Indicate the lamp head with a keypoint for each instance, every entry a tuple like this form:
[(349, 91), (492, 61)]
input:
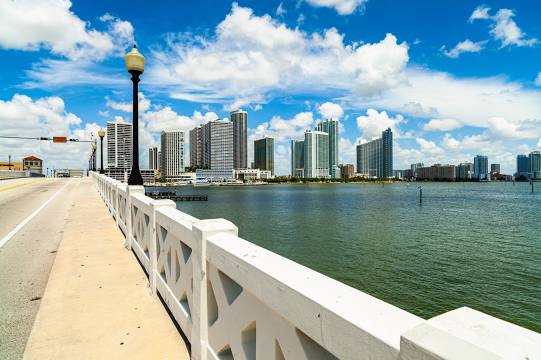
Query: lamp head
[(135, 61), (101, 133)]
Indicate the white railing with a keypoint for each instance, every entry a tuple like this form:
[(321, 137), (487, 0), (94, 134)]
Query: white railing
[(235, 300)]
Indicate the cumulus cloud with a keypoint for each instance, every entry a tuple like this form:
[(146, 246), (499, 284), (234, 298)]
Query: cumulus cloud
[(251, 58), (342, 7), (331, 110), (47, 116), (466, 46), (144, 104), (503, 28), (373, 123), (442, 125), (49, 24), (538, 79)]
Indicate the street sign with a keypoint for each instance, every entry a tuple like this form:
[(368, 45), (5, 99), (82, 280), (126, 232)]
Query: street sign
[(59, 139)]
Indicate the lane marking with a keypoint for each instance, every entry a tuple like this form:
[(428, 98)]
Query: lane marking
[(16, 186), (8, 237)]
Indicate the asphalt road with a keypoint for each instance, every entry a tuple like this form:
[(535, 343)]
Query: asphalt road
[(27, 256)]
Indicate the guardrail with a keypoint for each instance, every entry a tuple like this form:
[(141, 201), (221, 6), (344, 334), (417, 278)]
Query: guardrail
[(235, 300)]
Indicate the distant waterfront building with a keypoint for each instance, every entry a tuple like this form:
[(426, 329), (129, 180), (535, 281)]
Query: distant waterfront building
[(10, 165), (375, 158), (33, 164), (401, 174), (316, 154), (347, 171), (119, 145), (297, 158), (437, 172), (217, 138), (535, 165), (464, 171), (148, 175), (264, 154), (252, 174), (196, 147), (172, 154), (331, 127), (239, 119), (494, 169), (153, 158), (480, 167), (414, 168), (523, 166)]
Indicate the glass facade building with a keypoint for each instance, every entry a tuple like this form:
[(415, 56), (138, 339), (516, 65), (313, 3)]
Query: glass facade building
[(375, 158), (297, 158), (316, 154), (196, 147), (480, 167), (239, 119), (331, 127), (264, 154), (535, 165)]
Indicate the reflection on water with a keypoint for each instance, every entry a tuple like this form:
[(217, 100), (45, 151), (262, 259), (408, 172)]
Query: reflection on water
[(471, 244)]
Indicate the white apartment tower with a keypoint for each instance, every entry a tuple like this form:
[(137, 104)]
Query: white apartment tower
[(119, 145), (172, 153)]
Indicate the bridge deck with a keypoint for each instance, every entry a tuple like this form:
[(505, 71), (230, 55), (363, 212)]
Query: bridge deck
[(97, 303)]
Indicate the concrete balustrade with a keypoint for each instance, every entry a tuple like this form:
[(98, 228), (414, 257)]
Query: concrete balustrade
[(235, 300)]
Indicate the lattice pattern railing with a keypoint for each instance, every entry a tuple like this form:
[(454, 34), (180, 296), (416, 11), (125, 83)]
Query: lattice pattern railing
[(235, 300)]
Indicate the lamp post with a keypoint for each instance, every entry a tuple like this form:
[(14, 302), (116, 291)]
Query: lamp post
[(93, 156), (135, 64), (101, 134)]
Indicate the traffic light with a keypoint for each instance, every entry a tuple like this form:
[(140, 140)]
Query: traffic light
[(45, 138), (59, 139), (75, 140)]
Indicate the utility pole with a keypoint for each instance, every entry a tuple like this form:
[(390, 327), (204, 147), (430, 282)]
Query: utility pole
[(9, 162), (420, 195)]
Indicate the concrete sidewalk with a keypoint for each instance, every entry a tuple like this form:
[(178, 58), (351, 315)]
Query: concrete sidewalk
[(97, 304)]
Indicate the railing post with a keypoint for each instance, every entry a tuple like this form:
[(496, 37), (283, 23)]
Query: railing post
[(117, 202), (155, 204), (130, 190), (202, 230)]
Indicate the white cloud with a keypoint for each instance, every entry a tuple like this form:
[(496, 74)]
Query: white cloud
[(285, 129), (442, 125), (480, 13), (47, 117), (342, 7), (280, 11), (331, 110), (251, 58), (503, 27), (168, 119), (499, 127), (465, 46), (144, 104), (49, 24), (375, 122)]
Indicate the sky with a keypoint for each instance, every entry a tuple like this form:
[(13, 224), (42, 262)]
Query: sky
[(452, 79)]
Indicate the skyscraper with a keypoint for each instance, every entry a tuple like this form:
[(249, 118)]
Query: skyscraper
[(297, 158), (316, 154), (239, 119), (375, 158), (196, 147), (172, 153), (264, 154), (464, 171), (535, 165), (153, 158), (119, 145), (331, 127), (494, 169), (480, 167), (217, 146), (523, 166)]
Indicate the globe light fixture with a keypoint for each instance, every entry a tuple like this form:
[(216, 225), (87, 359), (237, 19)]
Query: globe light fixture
[(101, 134), (135, 64)]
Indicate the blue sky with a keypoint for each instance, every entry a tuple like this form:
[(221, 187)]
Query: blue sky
[(452, 79)]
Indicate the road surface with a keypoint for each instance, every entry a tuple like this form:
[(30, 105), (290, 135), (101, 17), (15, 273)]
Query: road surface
[(33, 213)]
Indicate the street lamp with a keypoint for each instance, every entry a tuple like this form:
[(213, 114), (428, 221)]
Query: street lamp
[(93, 157), (135, 64), (101, 134)]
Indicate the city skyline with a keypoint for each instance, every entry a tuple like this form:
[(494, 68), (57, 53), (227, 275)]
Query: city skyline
[(314, 63)]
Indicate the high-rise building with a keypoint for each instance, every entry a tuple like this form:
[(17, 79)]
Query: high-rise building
[(535, 164), (414, 168), (480, 167), (264, 154), (217, 138), (196, 147), (464, 171), (347, 171), (172, 154), (297, 158), (153, 158), (494, 169), (523, 166), (119, 145), (375, 158), (331, 127), (437, 172), (316, 154), (239, 119)]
